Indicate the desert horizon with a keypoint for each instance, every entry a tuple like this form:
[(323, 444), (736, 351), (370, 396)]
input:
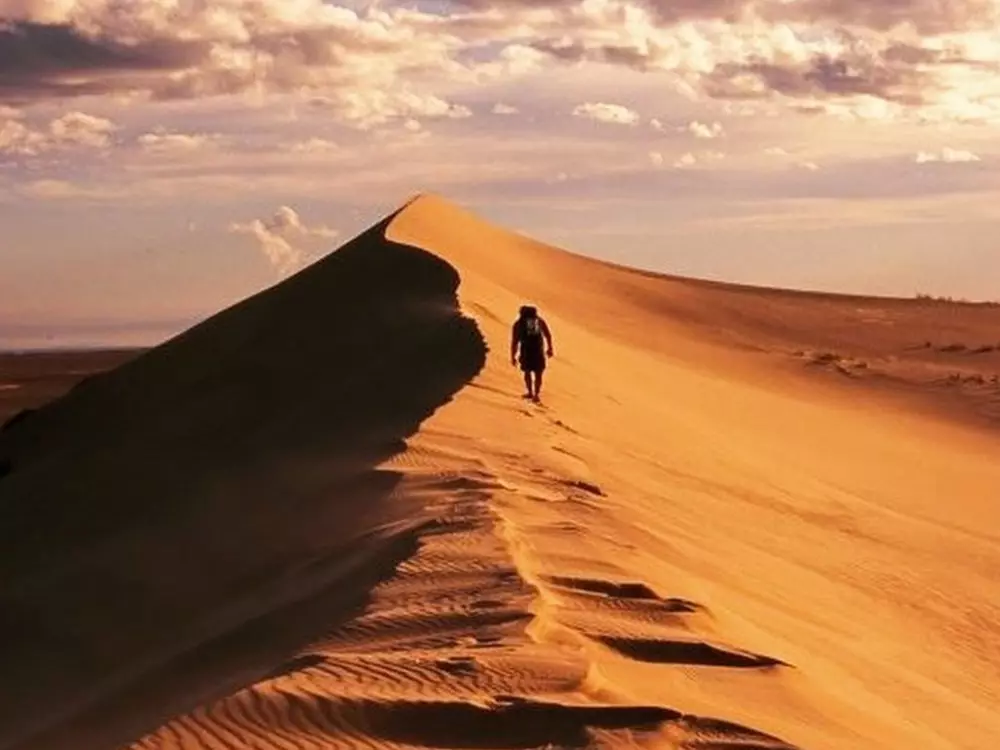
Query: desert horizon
[(324, 516), (87, 335)]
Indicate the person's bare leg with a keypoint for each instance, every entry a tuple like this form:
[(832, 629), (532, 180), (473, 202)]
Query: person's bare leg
[(527, 385), (538, 385)]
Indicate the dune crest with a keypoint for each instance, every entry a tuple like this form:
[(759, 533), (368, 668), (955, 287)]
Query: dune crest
[(696, 542)]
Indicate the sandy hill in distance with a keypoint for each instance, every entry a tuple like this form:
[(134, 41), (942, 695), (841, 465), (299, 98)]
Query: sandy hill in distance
[(323, 518)]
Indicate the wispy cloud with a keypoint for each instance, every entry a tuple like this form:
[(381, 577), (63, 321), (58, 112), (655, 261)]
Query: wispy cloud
[(164, 142), (49, 189), (693, 159), (947, 156), (314, 146), (369, 107)]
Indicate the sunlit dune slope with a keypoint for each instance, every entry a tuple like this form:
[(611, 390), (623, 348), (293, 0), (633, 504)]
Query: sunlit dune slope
[(843, 526), (700, 540), (947, 354)]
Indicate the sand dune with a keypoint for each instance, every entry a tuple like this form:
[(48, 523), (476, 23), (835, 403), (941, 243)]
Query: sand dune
[(743, 518)]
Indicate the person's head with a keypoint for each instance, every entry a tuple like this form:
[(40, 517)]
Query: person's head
[(529, 311)]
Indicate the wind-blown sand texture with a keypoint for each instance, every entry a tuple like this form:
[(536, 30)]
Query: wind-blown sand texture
[(325, 518)]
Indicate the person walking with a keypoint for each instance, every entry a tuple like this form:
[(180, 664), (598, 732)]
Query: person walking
[(531, 337)]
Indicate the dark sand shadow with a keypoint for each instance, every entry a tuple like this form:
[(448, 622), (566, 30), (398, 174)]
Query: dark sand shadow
[(216, 496)]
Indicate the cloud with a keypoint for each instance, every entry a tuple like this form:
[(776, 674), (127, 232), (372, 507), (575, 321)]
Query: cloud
[(607, 113), (656, 158), (777, 152), (170, 50), (53, 189), (801, 53), (283, 238), (686, 160), (947, 156), (315, 146), (72, 130), (927, 58), (161, 141), (18, 139), (925, 16), (691, 159), (81, 129), (705, 131), (504, 109), (367, 108)]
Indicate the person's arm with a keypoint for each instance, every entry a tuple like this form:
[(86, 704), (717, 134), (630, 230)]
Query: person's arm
[(513, 344), (550, 352)]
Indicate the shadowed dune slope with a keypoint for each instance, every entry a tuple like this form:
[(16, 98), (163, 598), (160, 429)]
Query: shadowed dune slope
[(165, 502)]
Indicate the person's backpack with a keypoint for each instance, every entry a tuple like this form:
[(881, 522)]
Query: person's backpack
[(532, 328)]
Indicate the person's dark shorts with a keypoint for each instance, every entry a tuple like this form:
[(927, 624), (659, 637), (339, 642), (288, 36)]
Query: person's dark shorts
[(532, 360)]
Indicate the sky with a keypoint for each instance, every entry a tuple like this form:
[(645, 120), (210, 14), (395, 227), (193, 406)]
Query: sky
[(162, 159)]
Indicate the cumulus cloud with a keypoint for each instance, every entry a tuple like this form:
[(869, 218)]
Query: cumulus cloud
[(804, 52), (926, 16), (705, 131), (608, 113), (928, 59), (947, 156), (79, 128), (72, 130), (284, 238), (187, 50), (17, 138), (504, 109)]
